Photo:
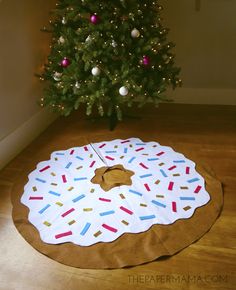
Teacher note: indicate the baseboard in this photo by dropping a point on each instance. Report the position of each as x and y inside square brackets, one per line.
[15, 142]
[203, 96]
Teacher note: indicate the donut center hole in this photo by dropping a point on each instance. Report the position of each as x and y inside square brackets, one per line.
[109, 177]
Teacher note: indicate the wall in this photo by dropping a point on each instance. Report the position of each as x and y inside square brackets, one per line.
[205, 49]
[23, 50]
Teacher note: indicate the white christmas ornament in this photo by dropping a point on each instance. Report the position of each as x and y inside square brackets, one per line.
[88, 39]
[63, 20]
[57, 76]
[61, 40]
[123, 91]
[135, 33]
[96, 71]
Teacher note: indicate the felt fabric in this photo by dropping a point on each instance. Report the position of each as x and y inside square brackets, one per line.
[66, 206]
[159, 240]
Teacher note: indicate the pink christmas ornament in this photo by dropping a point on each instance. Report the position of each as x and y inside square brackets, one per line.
[146, 60]
[94, 19]
[65, 62]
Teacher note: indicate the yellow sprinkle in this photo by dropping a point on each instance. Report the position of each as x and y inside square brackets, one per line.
[56, 159]
[145, 154]
[71, 222]
[92, 190]
[54, 184]
[143, 204]
[59, 203]
[34, 188]
[91, 155]
[79, 167]
[97, 234]
[125, 222]
[160, 196]
[121, 157]
[71, 188]
[130, 145]
[47, 224]
[115, 146]
[176, 174]
[183, 187]
[122, 196]
[187, 208]
[87, 209]
[157, 182]
[161, 164]
[53, 174]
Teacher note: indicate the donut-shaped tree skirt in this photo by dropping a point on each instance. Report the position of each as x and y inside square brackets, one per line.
[94, 199]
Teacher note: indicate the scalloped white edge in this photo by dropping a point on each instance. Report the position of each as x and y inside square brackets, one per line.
[125, 232]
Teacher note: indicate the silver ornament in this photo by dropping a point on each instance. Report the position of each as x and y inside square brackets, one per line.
[96, 71]
[135, 33]
[57, 76]
[123, 91]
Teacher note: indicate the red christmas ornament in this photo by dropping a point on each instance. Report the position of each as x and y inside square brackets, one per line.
[65, 62]
[146, 60]
[94, 19]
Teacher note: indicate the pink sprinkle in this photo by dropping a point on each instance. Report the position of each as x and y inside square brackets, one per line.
[198, 188]
[126, 210]
[139, 149]
[104, 199]
[144, 166]
[64, 178]
[45, 168]
[36, 198]
[171, 184]
[72, 152]
[67, 212]
[172, 167]
[174, 209]
[109, 228]
[91, 165]
[110, 158]
[147, 187]
[63, 235]
[187, 170]
[160, 153]
[101, 146]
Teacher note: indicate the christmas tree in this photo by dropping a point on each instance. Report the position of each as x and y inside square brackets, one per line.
[108, 55]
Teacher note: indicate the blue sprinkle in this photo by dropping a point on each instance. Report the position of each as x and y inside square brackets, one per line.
[40, 180]
[132, 159]
[60, 153]
[145, 175]
[179, 161]
[80, 158]
[80, 178]
[153, 159]
[140, 144]
[85, 229]
[78, 198]
[111, 152]
[163, 173]
[187, 198]
[69, 165]
[45, 208]
[107, 212]
[54, 193]
[193, 180]
[147, 217]
[158, 203]
[125, 150]
[135, 192]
